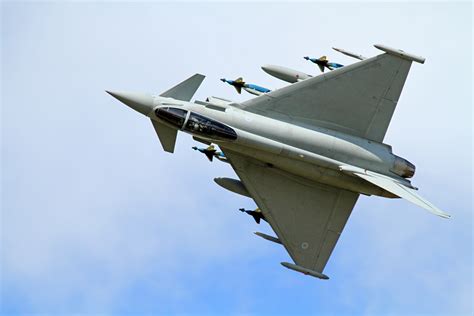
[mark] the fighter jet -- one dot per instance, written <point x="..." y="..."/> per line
<point x="211" y="152"/>
<point x="323" y="63"/>
<point x="239" y="83"/>
<point x="305" y="152"/>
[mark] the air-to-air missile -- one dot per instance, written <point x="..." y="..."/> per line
<point x="350" y="54"/>
<point x="211" y="152"/>
<point x="256" y="214"/>
<point x="268" y="237"/>
<point x="323" y="62"/>
<point x="285" y="74"/>
<point x="240" y="84"/>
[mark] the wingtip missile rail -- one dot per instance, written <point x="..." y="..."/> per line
<point x="305" y="271"/>
<point x="400" y="53"/>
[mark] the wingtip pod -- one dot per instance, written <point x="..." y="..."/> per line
<point x="400" y="53"/>
<point x="305" y="271"/>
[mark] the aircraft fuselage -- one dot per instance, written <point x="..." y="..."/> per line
<point x="312" y="153"/>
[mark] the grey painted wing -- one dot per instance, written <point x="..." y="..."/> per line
<point x="308" y="217"/>
<point x="358" y="99"/>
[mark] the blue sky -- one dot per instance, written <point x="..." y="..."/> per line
<point x="97" y="219"/>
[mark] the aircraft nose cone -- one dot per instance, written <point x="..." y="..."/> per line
<point x="140" y="102"/>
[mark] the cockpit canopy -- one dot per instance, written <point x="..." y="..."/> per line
<point x="196" y="124"/>
<point x="174" y="116"/>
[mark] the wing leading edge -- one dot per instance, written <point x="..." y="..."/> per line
<point x="308" y="217"/>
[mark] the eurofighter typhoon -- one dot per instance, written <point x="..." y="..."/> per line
<point x="305" y="152"/>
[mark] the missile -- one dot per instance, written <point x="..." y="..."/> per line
<point x="285" y="74"/>
<point x="268" y="237"/>
<point x="240" y="84"/>
<point x="232" y="185"/>
<point x="256" y="214"/>
<point x="306" y="271"/>
<point x="211" y="152"/>
<point x="350" y="54"/>
<point x="323" y="62"/>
